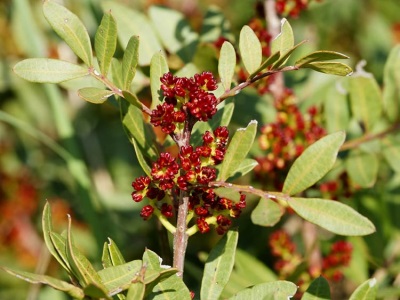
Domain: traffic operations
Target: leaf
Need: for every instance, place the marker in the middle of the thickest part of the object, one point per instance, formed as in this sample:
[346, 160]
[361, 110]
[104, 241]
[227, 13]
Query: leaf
[158, 67]
[95, 292]
[313, 163]
[174, 31]
[284, 41]
[140, 157]
[276, 290]
[286, 56]
[132, 99]
[111, 255]
[219, 266]
[136, 291]
[362, 168]
[391, 152]
[365, 100]
[95, 95]
[55, 283]
[318, 290]
[237, 150]
[391, 82]
[250, 49]
[336, 110]
[228, 193]
[227, 64]
[321, 55]
[70, 28]
[266, 213]
[333, 68]
[268, 62]
[245, 167]
[105, 42]
[332, 215]
[130, 62]
[47, 230]
[132, 22]
[48, 70]
[366, 291]
[59, 243]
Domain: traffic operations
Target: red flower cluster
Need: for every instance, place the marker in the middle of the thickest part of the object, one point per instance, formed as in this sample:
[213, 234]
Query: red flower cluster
[291, 8]
[339, 256]
[286, 138]
[191, 171]
[185, 98]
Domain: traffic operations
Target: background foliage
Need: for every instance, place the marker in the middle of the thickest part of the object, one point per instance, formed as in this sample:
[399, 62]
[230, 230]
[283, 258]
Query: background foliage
[92, 181]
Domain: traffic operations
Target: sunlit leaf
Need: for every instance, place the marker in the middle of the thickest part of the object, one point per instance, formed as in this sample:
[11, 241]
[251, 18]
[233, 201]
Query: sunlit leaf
[245, 167]
[48, 70]
[266, 213]
[95, 95]
[336, 110]
[269, 290]
[136, 291]
[332, 215]
[283, 58]
[237, 150]
[313, 164]
[365, 99]
[318, 290]
[227, 64]
[70, 28]
[59, 243]
[55, 283]
[250, 49]
[333, 68]
[366, 291]
[133, 22]
[158, 67]
[112, 256]
[105, 42]
[362, 168]
[321, 55]
[391, 82]
[130, 62]
[219, 266]
[132, 99]
[284, 41]
[268, 62]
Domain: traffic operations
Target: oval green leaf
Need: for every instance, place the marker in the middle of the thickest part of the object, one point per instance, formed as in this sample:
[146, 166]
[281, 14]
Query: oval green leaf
[284, 41]
[70, 28]
[267, 290]
[313, 164]
[321, 55]
[48, 70]
[362, 168]
[332, 215]
[219, 266]
[318, 290]
[366, 291]
[132, 99]
[250, 49]
[237, 150]
[266, 213]
[130, 61]
[333, 68]
[391, 82]
[136, 291]
[95, 95]
[227, 64]
[336, 109]
[158, 67]
[105, 42]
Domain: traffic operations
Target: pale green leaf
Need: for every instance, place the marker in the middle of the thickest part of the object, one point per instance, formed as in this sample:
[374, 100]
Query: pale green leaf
[55, 283]
[136, 291]
[332, 215]
[237, 150]
[105, 42]
[284, 41]
[318, 290]
[227, 64]
[116, 71]
[321, 55]
[245, 167]
[391, 82]
[70, 28]
[174, 32]
[130, 61]
[250, 49]
[158, 67]
[391, 152]
[228, 193]
[48, 70]
[95, 95]
[105, 257]
[93, 291]
[133, 22]
[366, 291]
[132, 99]
[266, 213]
[362, 168]
[313, 163]
[283, 58]
[277, 290]
[111, 255]
[336, 109]
[215, 25]
[219, 266]
[333, 68]
[365, 100]
[59, 243]
[268, 62]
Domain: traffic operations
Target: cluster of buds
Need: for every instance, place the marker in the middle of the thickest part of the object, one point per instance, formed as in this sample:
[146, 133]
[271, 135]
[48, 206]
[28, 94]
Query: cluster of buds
[291, 8]
[285, 139]
[186, 99]
[339, 257]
